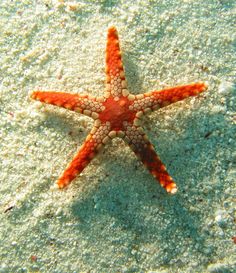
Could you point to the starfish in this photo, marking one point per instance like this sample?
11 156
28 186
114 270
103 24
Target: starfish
117 114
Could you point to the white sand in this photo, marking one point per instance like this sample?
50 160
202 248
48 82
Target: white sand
115 217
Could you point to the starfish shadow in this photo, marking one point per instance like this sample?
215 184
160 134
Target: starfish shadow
132 73
140 212
66 123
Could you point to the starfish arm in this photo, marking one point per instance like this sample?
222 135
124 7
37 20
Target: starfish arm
144 150
94 142
115 77
75 102
160 98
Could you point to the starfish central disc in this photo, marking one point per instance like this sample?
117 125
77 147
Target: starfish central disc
116 112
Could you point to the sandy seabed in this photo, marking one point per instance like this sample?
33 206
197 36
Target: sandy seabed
115 217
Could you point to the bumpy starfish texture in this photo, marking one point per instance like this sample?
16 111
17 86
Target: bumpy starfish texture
117 114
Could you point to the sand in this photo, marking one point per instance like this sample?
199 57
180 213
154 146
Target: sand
115 217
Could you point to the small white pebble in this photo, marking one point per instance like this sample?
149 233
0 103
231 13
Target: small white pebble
226 87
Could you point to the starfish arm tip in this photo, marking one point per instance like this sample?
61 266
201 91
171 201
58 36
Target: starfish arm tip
201 85
172 190
205 84
33 94
61 184
112 29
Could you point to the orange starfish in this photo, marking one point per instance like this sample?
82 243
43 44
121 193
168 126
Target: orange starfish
117 114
